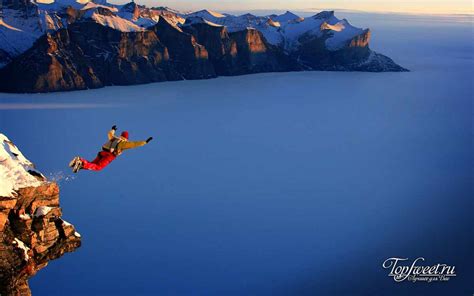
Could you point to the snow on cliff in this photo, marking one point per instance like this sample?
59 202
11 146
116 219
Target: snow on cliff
17 34
286 28
106 17
342 32
286 17
15 170
199 20
207 14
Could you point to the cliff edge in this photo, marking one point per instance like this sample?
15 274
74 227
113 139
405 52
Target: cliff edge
32 232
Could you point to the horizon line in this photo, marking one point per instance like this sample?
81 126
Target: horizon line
311 9
469 13
316 10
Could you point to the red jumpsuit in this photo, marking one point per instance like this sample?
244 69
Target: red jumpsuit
101 161
105 157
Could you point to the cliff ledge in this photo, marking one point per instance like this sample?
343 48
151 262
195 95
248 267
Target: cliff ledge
32 232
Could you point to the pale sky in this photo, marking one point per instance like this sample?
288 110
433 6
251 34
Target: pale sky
413 6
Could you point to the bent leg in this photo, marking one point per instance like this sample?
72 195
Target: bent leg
102 160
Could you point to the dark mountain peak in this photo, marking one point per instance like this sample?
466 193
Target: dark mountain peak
129 7
324 14
165 24
194 20
207 14
289 14
248 16
103 11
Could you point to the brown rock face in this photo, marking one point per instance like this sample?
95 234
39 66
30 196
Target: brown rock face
89 55
32 233
354 56
252 54
189 58
131 8
361 40
240 52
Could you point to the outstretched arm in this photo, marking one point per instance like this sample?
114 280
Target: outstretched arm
111 133
131 145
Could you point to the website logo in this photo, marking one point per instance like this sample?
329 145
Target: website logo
402 269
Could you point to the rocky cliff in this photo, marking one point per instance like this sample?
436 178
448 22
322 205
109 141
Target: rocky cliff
241 52
94 45
32 232
89 55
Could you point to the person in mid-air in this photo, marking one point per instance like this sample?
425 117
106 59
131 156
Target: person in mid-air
110 150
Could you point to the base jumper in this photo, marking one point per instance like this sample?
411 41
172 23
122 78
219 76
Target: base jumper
110 150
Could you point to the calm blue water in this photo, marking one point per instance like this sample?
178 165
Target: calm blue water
272 184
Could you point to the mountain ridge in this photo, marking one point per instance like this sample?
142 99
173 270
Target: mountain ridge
58 61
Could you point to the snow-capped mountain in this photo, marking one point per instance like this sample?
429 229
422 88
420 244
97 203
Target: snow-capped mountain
286 29
320 42
20 27
285 17
206 14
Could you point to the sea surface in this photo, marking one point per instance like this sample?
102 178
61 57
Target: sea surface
270 184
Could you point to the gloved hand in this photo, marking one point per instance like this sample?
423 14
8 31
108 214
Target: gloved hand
114 127
149 139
